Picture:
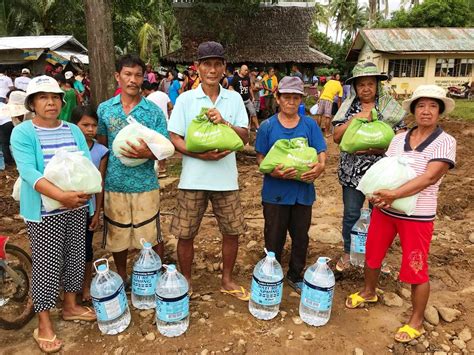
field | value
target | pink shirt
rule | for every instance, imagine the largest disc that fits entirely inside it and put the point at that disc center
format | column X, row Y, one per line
column 439, row 146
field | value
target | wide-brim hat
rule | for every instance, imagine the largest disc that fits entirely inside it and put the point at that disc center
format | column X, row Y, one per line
column 15, row 106
column 432, row 92
column 42, row 83
column 365, row 69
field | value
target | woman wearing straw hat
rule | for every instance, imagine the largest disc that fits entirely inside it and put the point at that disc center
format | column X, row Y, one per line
column 366, row 94
column 431, row 153
column 57, row 238
column 15, row 108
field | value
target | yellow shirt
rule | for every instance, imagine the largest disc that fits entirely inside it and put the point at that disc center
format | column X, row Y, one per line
column 269, row 83
column 331, row 89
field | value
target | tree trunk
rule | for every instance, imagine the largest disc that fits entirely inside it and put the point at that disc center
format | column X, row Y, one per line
column 100, row 44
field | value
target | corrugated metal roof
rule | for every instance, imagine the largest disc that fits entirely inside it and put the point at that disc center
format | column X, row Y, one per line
column 37, row 42
column 441, row 39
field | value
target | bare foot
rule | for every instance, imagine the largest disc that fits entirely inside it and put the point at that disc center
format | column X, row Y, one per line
column 231, row 285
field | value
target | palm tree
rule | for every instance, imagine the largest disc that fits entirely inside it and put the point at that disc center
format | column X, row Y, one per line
column 356, row 20
column 321, row 15
column 341, row 12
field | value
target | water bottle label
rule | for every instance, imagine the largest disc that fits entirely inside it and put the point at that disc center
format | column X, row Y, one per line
column 317, row 298
column 266, row 293
column 359, row 239
column 172, row 309
column 110, row 307
column 144, row 282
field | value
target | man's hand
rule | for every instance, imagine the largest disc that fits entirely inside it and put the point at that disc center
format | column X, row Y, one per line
column 74, row 199
column 94, row 222
column 213, row 154
column 140, row 151
column 316, row 170
column 278, row 173
column 383, row 198
column 215, row 116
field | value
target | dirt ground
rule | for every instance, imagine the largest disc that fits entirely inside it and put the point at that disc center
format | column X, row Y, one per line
column 222, row 324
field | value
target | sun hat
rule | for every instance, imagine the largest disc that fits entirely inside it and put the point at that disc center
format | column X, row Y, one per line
column 41, row 83
column 366, row 69
column 291, row 85
column 210, row 50
column 16, row 105
column 25, row 71
column 68, row 75
column 432, row 92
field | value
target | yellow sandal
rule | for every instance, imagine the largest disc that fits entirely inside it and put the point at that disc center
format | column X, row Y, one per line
column 234, row 293
column 356, row 300
column 410, row 331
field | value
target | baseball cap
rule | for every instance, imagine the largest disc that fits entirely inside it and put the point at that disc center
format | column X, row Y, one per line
column 25, row 71
column 291, row 85
column 210, row 50
column 68, row 75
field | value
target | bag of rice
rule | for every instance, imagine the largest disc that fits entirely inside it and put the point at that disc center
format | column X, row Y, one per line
column 160, row 146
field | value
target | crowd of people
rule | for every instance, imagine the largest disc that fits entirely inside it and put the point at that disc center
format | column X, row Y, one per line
column 131, row 197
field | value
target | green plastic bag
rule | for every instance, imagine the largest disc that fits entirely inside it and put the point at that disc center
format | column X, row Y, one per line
column 203, row 135
column 291, row 153
column 363, row 134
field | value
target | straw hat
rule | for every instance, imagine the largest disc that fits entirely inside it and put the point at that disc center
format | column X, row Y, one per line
column 16, row 105
column 432, row 92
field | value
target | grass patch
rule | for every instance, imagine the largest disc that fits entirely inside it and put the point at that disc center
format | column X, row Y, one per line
column 464, row 110
column 173, row 167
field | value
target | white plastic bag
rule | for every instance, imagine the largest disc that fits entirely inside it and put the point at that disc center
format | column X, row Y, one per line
column 390, row 173
column 160, row 146
column 71, row 171
column 16, row 189
column 314, row 109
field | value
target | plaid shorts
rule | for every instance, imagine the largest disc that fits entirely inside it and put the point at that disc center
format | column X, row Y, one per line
column 193, row 203
column 325, row 108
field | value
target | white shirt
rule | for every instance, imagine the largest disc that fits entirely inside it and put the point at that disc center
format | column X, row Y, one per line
column 22, row 82
column 161, row 100
column 5, row 85
column 4, row 119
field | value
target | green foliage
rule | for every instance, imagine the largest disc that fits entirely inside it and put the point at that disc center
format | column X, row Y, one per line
column 433, row 13
column 464, row 110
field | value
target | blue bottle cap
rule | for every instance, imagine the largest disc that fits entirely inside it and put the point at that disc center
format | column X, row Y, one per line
column 271, row 254
column 171, row 268
column 322, row 260
column 102, row 268
column 147, row 245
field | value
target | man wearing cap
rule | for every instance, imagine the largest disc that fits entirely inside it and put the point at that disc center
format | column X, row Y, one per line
column 22, row 81
column 6, row 85
column 241, row 84
column 287, row 203
column 210, row 175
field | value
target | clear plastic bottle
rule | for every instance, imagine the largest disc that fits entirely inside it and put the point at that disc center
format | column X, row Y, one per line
column 267, row 288
column 172, row 303
column 109, row 300
column 317, row 293
column 144, row 277
column 359, row 237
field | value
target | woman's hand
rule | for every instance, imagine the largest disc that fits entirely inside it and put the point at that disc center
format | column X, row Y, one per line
column 278, row 173
column 313, row 174
column 94, row 222
column 74, row 199
column 383, row 198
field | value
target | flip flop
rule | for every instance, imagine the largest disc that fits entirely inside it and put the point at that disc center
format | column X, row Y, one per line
column 410, row 331
column 356, row 300
column 39, row 341
column 245, row 294
column 343, row 265
column 88, row 316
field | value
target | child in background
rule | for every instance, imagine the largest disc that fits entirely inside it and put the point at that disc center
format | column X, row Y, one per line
column 86, row 119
